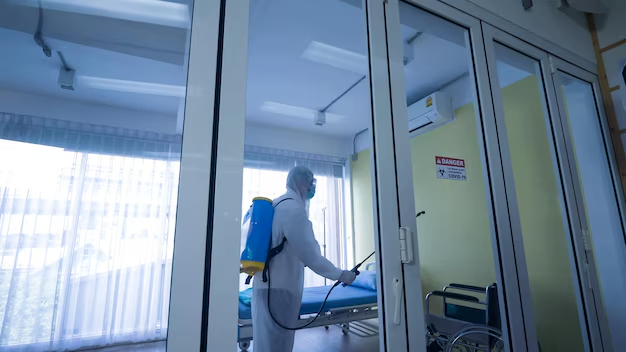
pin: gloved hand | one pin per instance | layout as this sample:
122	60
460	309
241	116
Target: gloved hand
347	277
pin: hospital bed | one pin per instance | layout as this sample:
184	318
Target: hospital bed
469	319
349	307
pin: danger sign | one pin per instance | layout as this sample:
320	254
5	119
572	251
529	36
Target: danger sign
450	168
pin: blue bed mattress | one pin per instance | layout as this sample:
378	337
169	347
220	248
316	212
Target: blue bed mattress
313	298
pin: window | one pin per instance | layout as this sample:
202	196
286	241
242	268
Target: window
86	242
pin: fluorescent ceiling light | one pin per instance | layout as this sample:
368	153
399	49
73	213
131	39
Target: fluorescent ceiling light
295	111
336	57
149	11
119	85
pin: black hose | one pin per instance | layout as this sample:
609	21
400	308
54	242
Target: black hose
269	285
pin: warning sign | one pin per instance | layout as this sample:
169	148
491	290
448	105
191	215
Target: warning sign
450	168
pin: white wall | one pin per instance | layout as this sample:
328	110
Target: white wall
281	138
611	26
74	110
567	29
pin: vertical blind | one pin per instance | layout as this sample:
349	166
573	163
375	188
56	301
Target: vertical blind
86	233
87	220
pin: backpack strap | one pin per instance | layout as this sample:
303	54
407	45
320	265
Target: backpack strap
282	200
273	251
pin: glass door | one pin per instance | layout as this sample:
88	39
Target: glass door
447	168
596	189
297	91
559	310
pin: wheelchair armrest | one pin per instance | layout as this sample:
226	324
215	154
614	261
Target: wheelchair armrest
467	287
452	295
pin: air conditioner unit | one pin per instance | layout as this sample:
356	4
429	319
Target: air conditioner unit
430	112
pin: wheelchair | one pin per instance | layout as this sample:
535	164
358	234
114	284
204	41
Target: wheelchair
470	321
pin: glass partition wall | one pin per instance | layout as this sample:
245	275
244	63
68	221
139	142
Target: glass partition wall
541	142
474	165
516	260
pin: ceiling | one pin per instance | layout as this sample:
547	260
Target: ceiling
278	73
29	70
280	31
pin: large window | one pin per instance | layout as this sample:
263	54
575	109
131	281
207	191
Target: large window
86	238
265	175
91	126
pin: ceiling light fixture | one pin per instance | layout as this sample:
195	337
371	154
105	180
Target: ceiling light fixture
336	57
296	111
164	13
119	85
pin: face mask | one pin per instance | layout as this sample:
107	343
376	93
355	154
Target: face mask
311	193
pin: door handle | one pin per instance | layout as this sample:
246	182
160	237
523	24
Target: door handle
397	290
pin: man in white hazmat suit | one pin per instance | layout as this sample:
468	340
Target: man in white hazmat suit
286	273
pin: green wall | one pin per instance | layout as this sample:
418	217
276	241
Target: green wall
545	246
454	235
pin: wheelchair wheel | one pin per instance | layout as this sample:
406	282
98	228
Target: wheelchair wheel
345	328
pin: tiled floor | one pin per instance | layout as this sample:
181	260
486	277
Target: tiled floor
332	340
309	340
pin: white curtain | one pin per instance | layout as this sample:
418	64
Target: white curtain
265	175
86	234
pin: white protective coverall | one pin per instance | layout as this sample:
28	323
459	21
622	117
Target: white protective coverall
287	274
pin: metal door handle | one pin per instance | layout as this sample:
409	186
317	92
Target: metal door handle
397	290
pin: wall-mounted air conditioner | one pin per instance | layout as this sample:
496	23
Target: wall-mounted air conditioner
430	112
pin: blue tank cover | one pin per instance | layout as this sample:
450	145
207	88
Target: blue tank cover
257	229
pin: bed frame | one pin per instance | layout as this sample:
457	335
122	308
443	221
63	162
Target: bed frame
352	320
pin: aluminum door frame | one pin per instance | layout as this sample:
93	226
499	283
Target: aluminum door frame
566	67
192	239
560	66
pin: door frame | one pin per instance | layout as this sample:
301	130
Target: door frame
592	79
586	309
396	335
193	239
506	271
560	66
